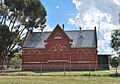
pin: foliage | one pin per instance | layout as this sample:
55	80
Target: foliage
4	40
20	42
15	52
18	55
30	13
114	62
14	60
115	41
15	63
18	16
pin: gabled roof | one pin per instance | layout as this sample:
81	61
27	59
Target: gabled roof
83	38
36	39
56	31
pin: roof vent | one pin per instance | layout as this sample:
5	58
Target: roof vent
80	29
80	33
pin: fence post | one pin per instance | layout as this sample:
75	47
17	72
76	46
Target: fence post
64	69
70	67
70	64
82	66
89	70
41	69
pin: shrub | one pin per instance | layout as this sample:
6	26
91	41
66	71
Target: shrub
114	62
15	63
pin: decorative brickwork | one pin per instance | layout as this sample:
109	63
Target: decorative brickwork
58	52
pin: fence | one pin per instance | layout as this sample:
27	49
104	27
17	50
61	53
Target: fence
60	67
60	70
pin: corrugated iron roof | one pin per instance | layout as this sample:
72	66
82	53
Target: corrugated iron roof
85	38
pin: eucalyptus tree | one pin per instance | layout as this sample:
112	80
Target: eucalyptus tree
4	41
18	16
115	41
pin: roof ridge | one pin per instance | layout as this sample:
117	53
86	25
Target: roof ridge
64	31
77	30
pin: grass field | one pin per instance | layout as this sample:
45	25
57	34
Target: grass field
74	77
58	80
57	73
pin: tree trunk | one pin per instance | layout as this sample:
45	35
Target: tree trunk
2	60
1	65
116	71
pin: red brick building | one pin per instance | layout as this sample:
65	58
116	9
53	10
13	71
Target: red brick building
59	49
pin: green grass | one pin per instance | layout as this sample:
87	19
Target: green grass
74	77
59	80
73	73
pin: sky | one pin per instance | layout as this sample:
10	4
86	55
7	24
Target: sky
104	14
59	12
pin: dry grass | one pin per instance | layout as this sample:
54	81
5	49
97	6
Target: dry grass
58	80
75	77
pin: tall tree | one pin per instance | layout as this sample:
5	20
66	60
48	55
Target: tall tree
115	41
18	16
4	41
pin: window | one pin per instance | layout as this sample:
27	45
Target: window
58	36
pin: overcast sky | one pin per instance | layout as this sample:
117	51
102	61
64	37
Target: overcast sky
85	13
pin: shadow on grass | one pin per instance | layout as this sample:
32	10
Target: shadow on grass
25	74
98	75
39	73
114	75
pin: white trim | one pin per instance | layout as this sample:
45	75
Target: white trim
105	53
58	60
58	38
83	61
35	62
63	61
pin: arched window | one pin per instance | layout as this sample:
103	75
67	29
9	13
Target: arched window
58	36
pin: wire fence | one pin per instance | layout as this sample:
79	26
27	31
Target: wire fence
57	70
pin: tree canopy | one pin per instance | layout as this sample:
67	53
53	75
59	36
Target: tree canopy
115	41
16	16
4	34
114	62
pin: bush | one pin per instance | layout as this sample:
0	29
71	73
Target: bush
17	55
15	63
114	62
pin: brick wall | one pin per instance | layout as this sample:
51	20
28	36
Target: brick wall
58	52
